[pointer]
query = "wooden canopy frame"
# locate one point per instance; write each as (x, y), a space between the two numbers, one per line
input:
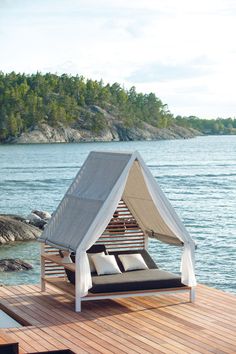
(121, 234)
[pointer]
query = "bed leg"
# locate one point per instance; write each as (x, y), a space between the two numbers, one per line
(192, 295)
(78, 304)
(43, 287)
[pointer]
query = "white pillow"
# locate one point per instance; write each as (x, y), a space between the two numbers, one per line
(105, 264)
(91, 263)
(132, 261)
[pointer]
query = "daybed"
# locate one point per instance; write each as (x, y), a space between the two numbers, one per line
(114, 201)
(149, 279)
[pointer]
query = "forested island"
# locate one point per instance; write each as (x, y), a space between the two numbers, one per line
(52, 108)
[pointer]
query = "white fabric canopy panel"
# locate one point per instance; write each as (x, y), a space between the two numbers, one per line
(138, 199)
(91, 201)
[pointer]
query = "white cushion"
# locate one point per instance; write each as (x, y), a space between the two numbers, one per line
(132, 261)
(91, 263)
(105, 264)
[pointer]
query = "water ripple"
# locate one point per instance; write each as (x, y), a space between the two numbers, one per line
(197, 175)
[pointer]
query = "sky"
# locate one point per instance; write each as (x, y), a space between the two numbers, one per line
(184, 51)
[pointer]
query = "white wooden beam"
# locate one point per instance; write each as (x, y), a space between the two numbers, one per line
(42, 281)
(77, 290)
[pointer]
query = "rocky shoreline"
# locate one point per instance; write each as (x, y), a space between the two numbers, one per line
(44, 134)
(17, 228)
(12, 265)
(115, 130)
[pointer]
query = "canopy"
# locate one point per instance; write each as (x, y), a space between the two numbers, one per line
(92, 198)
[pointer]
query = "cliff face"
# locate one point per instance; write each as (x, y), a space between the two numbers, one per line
(114, 130)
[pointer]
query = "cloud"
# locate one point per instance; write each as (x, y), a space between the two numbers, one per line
(184, 50)
(159, 72)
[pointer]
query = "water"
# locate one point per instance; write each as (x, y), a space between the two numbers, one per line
(197, 175)
(7, 321)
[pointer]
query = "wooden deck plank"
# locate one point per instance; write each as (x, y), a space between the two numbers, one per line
(162, 327)
(178, 332)
(117, 345)
(154, 340)
(56, 318)
(93, 338)
(166, 324)
(173, 319)
(25, 341)
(37, 341)
(63, 332)
(149, 324)
(111, 337)
(143, 342)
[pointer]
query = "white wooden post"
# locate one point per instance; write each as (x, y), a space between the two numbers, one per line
(43, 287)
(192, 295)
(77, 280)
(193, 289)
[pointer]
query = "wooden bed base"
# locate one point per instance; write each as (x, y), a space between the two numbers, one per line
(65, 286)
(117, 295)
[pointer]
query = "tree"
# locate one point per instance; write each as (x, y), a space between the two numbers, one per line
(29, 100)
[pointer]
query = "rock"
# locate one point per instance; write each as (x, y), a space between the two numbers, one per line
(114, 130)
(10, 265)
(38, 218)
(40, 223)
(148, 132)
(42, 214)
(12, 229)
(32, 217)
(35, 220)
(15, 217)
(46, 134)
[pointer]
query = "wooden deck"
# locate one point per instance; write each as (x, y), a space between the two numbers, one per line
(165, 324)
(7, 344)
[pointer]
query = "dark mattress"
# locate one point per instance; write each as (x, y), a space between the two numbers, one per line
(147, 279)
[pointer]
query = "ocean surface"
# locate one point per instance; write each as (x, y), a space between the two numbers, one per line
(197, 175)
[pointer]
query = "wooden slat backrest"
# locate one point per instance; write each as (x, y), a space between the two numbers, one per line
(53, 269)
(123, 232)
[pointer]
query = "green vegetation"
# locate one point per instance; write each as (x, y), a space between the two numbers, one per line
(208, 126)
(29, 100)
